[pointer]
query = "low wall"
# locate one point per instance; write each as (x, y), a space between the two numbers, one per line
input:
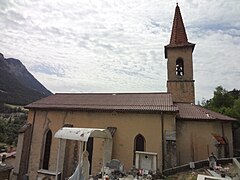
(237, 164)
(198, 165)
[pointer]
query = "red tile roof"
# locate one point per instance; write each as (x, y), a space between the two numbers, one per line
(140, 102)
(194, 112)
(107, 101)
(178, 35)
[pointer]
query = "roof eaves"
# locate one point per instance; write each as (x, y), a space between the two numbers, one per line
(204, 119)
(97, 109)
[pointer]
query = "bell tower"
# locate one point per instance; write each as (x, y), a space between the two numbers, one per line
(179, 51)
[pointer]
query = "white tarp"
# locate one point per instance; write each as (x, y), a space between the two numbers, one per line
(83, 169)
(82, 134)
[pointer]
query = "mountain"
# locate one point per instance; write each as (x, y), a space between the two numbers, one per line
(17, 84)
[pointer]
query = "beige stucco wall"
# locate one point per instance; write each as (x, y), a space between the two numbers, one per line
(186, 54)
(128, 126)
(195, 141)
(181, 88)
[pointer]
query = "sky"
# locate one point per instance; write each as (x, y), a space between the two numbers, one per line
(118, 45)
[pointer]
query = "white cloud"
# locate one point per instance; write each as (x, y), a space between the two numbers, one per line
(108, 46)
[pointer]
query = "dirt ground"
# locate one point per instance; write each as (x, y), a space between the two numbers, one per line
(189, 175)
(230, 171)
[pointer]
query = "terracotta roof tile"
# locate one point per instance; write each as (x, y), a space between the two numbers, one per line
(178, 35)
(194, 112)
(107, 101)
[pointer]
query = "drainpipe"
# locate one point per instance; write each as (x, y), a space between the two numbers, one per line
(163, 145)
(226, 146)
(223, 134)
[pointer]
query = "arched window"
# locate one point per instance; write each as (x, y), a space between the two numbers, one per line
(47, 148)
(179, 67)
(139, 143)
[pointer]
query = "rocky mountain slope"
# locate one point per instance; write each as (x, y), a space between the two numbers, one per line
(17, 84)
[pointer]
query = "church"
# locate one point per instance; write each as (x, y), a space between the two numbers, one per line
(166, 124)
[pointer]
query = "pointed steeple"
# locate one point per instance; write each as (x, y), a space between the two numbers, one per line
(178, 35)
(180, 82)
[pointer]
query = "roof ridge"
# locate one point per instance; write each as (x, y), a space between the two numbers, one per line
(152, 105)
(110, 93)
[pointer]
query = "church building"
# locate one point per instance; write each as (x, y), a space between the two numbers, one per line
(167, 125)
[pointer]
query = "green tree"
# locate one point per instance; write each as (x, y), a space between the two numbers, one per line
(2, 130)
(236, 109)
(225, 102)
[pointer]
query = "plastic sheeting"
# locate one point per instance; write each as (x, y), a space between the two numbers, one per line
(82, 134)
(83, 168)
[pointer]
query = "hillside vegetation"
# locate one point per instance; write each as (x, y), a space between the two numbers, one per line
(12, 118)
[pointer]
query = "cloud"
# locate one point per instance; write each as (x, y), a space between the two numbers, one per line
(117, 46)
(57, 70)
(216, 59)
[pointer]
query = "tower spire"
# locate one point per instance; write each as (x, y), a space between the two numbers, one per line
(178, 35)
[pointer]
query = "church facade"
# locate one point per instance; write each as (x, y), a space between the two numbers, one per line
(167, 124)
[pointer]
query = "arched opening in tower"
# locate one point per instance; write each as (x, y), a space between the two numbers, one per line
(179, 67)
